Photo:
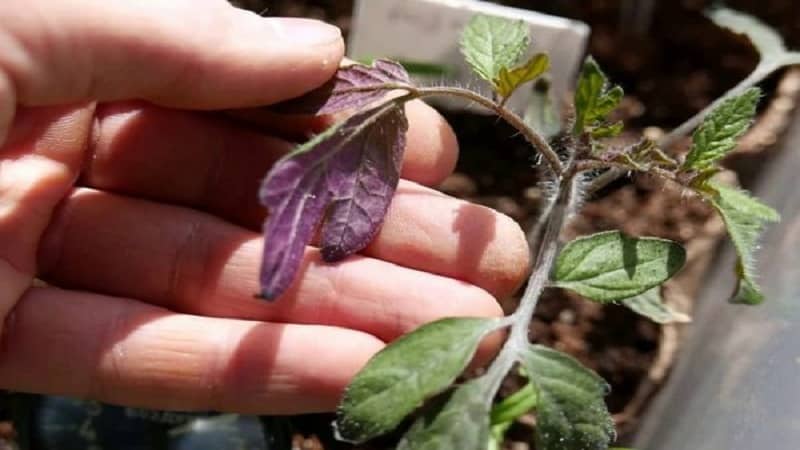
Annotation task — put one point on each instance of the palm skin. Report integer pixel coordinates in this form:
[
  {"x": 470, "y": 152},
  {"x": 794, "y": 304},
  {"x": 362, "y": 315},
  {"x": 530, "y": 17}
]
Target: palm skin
[{"x": 134, "y": 200}]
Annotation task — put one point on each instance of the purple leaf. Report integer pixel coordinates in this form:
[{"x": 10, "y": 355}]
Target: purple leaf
[
  {"x": 351, "y": 172},
  {"x": 352, "y": 87}
]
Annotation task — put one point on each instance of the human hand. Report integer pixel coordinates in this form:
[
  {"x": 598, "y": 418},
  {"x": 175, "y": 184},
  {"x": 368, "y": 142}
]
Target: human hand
[{"x": 137, "y": 205}]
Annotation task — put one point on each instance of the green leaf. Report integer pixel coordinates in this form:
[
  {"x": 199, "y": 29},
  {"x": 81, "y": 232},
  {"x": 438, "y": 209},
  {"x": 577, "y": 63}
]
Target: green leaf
[
  {"x": 745, "y": 218},
  {"x": 540, "y": 113},
  {"x": 508, "y": 80},
  {"x": 605, "y": 131},
  {"x": 651, "y": 305},
  {"x": 491, "y": 43},
  {"x": 398, "y": 379},
  {"x": 570, "y": 413},
  {"x": 419, "y": 68},
  {"x": 611, "y": 266},
  {"x": 460, "y": 421},
  {"x": 426, "y": 69},
  {"x": 594, "y": 97},
  {"x": 717, "y": 135}
]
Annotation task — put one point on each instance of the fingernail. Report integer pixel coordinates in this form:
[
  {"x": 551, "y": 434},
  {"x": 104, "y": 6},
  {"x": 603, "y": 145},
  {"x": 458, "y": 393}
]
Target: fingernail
[{"x": 303, "y": 31}]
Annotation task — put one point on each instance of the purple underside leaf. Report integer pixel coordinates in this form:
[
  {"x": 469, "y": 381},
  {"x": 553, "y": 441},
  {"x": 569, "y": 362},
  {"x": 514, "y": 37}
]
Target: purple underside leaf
[
  {"x": 349, "y": 172},
  {"x": 352, "y": 87}
]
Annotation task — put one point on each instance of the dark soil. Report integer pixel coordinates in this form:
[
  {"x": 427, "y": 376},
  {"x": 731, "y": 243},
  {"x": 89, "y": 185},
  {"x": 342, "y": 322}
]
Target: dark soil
[{"x": 670, "y": 67}]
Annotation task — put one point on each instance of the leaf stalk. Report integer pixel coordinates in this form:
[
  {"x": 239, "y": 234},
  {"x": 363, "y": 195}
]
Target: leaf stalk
[
  {"x": 538, "y": 141},
  {"x": 566, "y": 198},
  {"x": 535, "y": 139}
]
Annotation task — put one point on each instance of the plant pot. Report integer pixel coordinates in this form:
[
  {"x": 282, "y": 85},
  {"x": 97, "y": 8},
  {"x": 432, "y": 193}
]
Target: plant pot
[
  {"x": 736, "y": 383},
  {"x": 558, "y": 319},
  {"x": 755, "y": 149}
]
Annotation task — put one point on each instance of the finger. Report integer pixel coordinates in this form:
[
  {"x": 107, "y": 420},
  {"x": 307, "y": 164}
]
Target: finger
[
  {"x": 191, "y": 262},
  {"x": 430, "y": 231},
  {"x": 432, "y": 148},
  {"x": 215, "y": 165},
  {"x": 428, "y": 132},
  {"x": 139, "y": 355},
  {"x": 38, "y": 165},
  {"x": 183, "y": 53},
  {"x": 182, "y": 158}
]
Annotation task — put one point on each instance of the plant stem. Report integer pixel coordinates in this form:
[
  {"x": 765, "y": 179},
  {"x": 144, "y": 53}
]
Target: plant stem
[
  {"x": 761, "y": 71},
  {"x": 534, "y": 138},
  {"x": 604, "y": 179},
  {"x": 535, "y": 231},
  {"x": 545, "y": 258},
  {"x": 587, "y": 165}
]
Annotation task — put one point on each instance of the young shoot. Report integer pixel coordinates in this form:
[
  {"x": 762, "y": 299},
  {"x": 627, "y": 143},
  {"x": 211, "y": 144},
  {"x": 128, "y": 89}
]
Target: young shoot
[{"x": 342, "y": 181}]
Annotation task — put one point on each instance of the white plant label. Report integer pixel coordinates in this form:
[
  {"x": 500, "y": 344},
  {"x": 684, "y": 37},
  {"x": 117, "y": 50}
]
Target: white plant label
[{"x": 426, "y": 33}]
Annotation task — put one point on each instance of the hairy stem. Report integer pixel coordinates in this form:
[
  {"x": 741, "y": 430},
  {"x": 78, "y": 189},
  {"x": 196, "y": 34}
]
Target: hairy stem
[
  {"x": 504, "y": 100},
  {"x": 545, "y": 258},
  {"x": 534, "y": 138},
  {"x": 605, "y": 178},
  {"x": 534, "y": 233},
  {"x": 659, "y": 172},
  {"x": 762, "y": 71}
]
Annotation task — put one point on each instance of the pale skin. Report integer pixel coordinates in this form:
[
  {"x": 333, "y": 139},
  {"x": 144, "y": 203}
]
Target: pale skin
[{"x": 124, "y": 190}]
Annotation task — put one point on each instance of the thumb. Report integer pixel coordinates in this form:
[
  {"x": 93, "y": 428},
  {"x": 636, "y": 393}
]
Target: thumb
[{"x": 202, "y": 54}]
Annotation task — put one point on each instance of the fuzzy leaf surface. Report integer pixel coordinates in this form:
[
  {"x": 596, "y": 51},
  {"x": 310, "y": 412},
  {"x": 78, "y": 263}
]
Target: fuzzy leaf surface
[
  {"x": 570, "y": 412},
  {"x": 491, "y": 43},
  {"x": 460, "y": 421},
  {"x": 650, "y": 304},
  {"x": 611, "y": 266},
  {"x": 398, "y": 379},
  {"x": 595, "y": 97},
  {"x": 352, "y": 87},
  {"x": 745, "y": 218},
  {"x": 351, "y": 172},
  {"x": 508, "y": 80},
  {"x": 605, "y": 131},
  {"x": 717, "y": 135}
]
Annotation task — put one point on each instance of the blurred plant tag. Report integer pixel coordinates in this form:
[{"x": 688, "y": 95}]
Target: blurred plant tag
[{"x": 424, "y": 36}]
